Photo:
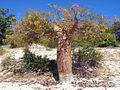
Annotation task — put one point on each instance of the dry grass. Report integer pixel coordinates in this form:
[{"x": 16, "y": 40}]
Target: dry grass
[{"x": 2, "y": 51}]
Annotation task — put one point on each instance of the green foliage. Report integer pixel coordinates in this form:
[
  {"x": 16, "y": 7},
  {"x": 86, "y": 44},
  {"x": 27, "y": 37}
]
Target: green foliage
[
  {"x": 75, "y": 43},
  {"x": 31, "y": 62},
  {"x": 35, "y": 63},
  {"x": 81, "y": 43},
  {"x": 11, "y": 66},
  {"x": 13, "y": 45},
  {"x": 18, "y": 69},
  {"x": 31, "y": 29},
  {"x": 55, "y": 83},
  {"x": 86, "y": 62},
  {"x": 99, "y": 42},
  {"x": 6, "y": 62},
  {"x": 107, "y": 43},
  {"x": 38, "y": 27},
  {"x": 103, "y": 39},
  {"x": 2, "y": 51},
  {"x": 5, "y": 22},
  {"x": 88, "y": 56},
  {"x": 115, "y": 28},
  {"x": 50, "y": 43}
]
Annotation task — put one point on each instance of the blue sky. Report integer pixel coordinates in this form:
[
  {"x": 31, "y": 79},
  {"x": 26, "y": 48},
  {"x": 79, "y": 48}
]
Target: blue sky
[{"x": 108, "y": 8}]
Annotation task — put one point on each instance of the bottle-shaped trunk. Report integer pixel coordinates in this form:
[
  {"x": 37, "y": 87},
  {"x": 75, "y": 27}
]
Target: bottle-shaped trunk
[{"x": 64, "y": 60}]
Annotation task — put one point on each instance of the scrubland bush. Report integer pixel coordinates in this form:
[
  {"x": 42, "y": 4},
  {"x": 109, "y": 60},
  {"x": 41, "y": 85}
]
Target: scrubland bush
[
  {"x": 12, "y": 45},
  {"x": 35, "y": 63},
  {"x": 86, "y": 62},
  {"x": 31, "y": 62},
  {"x": 110, "y": 42},
  {"x": 2, "y": 51},
  {"x": 6, "y": 63},
  {"x": 88, "y": 56},
  {"x": 103, "y": 40}
]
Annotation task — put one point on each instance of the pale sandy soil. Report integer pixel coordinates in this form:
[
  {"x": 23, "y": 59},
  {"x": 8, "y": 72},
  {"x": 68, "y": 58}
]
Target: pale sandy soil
[{"x": 109, "y": 78}]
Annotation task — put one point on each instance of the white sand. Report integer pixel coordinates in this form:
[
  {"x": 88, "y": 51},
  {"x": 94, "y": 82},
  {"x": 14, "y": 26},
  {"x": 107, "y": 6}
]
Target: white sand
[{"x": 111, "y": 66}]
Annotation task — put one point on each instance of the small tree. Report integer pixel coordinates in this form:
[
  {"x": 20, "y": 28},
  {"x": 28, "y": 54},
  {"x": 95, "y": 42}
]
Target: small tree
[
  {"x": 5, "y": 22},
  {"x": 67, "y": 21},
  {"x": 61, "y": 25},
  {"x": 115, "y": 28}
]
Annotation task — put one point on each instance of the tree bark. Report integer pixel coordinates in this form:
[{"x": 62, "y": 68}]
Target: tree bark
[{"x": 64, "y": 61}]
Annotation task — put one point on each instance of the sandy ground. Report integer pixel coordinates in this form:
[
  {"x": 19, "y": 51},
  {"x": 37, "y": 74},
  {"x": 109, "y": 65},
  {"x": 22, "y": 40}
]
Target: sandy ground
[{"x": 110, "y": 71}]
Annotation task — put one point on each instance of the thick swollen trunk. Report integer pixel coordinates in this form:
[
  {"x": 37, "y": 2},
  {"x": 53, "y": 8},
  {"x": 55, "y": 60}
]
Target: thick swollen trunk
[{"x": 64, "y": 60}]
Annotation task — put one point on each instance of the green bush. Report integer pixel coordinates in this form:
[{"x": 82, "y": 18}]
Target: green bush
[
  {"x": 6, "y": 62},
  {"x": 87, "y": 56},
  {"x": 75, "y": 43},
  {"x": 86, "y": 63},
  {"x": 81, "y": 43},
  {"x": 110, "y": 42},
  {"x": 35, "y": 63},
  {"x": 12, "y": 45},
  {"x": 18, "y": 69},
  {"x": 52, "y": 44},
  {"x": 31, "y": 62},
  {"x": 105, "y": 40}
]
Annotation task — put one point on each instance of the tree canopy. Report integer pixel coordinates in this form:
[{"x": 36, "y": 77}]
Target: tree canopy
[
  {"x": 5, "y": 22},
  {"x": 80, "y": 24},
  {"x": 115, "y": 28}
]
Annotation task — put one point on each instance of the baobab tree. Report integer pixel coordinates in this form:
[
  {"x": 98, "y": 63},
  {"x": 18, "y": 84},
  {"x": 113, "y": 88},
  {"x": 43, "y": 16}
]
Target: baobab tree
[
  {"x": 66, "y": 22},
  {"x": 60, "y": 26}
]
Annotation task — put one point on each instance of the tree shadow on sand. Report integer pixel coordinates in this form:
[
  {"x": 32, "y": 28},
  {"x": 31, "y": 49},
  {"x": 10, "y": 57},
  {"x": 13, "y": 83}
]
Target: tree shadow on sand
[
  {"x": 81, "y": 69},
  {"x": 53, "y": 69}
]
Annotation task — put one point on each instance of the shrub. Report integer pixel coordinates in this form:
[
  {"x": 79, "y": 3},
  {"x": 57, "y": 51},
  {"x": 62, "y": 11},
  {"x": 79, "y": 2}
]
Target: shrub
[
  {"x": 18, "y": 69},
  {"x": 109, "y": 42},
  {"x": 2, "y": 51},
  {"x": 12, "y": 45},
  {"x": 86, "y": 62},
  {"x": 88, "y": 55},
  {"x": 36, "y": 63},
  {"x": 104, "y": 40},
  {"x": 6, "y": 62},
  {"x": 75, "y": 43},
  {"x": 52, "y": 44}
]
